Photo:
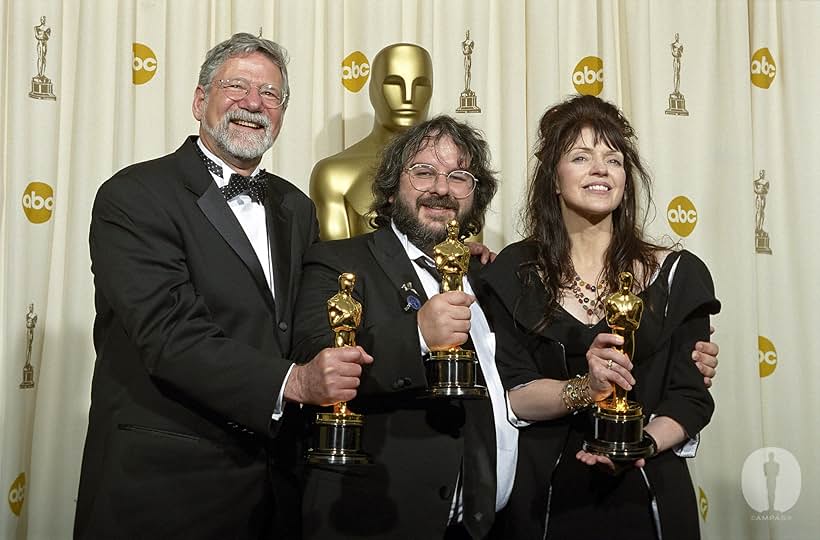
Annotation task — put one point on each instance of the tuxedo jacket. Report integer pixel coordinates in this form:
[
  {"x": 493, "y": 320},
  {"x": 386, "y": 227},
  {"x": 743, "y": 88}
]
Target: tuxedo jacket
[
  {"x": 416, "y": 443},
  {"x": 191, "y": 354}
]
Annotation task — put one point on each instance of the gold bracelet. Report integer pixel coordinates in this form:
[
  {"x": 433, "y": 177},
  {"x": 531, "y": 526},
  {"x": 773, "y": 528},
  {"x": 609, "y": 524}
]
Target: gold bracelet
[{"x": 575, "y": 394}]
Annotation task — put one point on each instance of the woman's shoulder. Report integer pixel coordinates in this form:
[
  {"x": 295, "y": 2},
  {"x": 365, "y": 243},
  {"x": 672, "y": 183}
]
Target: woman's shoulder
[{"x": 504, "y": 273}]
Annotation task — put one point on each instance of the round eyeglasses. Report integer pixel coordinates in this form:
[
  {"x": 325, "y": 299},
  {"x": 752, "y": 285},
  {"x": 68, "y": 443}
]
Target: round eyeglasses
[
  {"x": 237, "y": 89},
  {"x": 423, "y": 178}
]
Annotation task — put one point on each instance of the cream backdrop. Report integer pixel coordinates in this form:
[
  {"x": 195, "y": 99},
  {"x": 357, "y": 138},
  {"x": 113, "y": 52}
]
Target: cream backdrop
[{"x": 749, "y": 110}]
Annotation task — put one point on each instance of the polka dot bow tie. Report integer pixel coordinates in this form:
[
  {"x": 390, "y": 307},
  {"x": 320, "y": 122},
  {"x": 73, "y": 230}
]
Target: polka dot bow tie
[{"x": 253, "y": 186}]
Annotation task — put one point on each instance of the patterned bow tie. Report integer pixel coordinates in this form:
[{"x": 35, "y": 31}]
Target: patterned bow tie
[{"x": 253, "y": 186}]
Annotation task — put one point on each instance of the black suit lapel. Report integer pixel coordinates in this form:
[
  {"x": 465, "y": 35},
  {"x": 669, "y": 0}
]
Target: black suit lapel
[
  {"x": 213, "y": 205},
  {"x": 393, "y": 260},
  {"x": 280, "y": 232}
]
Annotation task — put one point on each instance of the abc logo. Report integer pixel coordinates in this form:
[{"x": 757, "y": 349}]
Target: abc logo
[
  {"x": 682, "y": 216},
  {"x": 763, "y": 68},
  {"x": 17, "y": 494},
  {"x": 767, "y": 356},
  {"x": 38, "y": 202},
  {"x": 144, "y": 65},
  {"x": 588, "y": 76},
  {"x": 355, "y": 71}
]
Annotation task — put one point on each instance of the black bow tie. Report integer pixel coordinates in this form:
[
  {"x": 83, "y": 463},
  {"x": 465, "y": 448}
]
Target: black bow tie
[{"x": 254, "y": 186}]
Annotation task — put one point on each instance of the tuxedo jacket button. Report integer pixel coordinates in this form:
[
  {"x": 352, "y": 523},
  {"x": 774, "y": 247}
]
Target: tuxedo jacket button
[
  {"x": 283, "y": 326},
  {"x": 398, "y": 384},
  {"x": 445, "y": 493}
]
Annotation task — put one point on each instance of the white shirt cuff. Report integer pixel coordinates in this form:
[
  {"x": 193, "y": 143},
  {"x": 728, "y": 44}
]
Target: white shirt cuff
[{"x": 279, "y": 408}]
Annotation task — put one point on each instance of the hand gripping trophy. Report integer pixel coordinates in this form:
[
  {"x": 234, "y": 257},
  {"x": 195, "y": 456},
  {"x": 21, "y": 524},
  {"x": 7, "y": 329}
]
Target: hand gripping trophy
[
  {"x": 41, "y": 86},
  {"x": 617, "y": 421},
  {"x": 452, "y": 373},
  {"x": 337, "y": 435}
]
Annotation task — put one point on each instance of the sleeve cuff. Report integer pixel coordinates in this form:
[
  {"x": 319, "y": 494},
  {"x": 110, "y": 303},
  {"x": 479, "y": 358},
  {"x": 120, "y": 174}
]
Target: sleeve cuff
[{"x": 279, "y": 408}]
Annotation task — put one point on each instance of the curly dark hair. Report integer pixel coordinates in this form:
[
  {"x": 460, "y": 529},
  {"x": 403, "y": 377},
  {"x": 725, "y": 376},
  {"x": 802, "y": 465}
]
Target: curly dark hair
[
  {"x": 404, "y": 147},
  {"x": 544, "y": 226}
]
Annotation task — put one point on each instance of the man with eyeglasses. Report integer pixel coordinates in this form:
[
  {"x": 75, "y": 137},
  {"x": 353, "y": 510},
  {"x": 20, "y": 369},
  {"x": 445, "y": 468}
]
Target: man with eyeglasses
[
  {"x": 434, "y": 460},
  {"x": 197, "y": 260}
]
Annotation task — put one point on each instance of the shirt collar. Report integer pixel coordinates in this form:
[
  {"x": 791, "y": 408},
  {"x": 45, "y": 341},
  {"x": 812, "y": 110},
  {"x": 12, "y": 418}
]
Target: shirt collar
[
  {"x": 226, "y": 169},
  {"x": 409, "y": 247}
]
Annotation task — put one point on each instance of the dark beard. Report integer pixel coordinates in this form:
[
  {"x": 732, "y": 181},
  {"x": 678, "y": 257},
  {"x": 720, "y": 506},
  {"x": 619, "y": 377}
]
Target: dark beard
[{"x": 422, "y": 236}]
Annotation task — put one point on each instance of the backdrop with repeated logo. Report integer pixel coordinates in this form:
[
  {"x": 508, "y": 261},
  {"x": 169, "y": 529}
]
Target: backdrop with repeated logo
[{"x": 723, "y": 96}]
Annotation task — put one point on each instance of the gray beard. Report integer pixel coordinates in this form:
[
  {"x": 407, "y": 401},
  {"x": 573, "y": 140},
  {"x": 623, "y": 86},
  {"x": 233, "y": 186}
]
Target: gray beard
[{"x": 246, "y": 146}]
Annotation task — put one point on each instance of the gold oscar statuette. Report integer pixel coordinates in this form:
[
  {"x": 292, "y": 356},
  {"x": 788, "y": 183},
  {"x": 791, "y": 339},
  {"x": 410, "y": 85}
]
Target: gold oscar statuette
[
  {"x": 677, "y": 101},
  {"x": 28, "y": 369},
  {"x": 41, "y": 86},
  {"x": 467, "y": 101},
  {"x": 618, "y": 421},
  {"x": 337, "y": 436},
  {"x": 452, "y": 372}
]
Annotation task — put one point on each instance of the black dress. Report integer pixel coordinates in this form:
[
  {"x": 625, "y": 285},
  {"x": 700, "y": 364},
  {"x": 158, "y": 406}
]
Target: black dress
[{"x": 552, "y": 488}]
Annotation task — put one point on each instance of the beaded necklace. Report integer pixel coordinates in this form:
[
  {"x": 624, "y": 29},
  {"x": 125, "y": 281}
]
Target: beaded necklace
[{"x": 592, "y": 303}]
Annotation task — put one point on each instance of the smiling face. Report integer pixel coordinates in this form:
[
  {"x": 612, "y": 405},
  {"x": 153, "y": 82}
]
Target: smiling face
[
  {"x": 423, "y": 215},
  {"x": 591, "y": 178},
  {"x": 239, "y": 132}
]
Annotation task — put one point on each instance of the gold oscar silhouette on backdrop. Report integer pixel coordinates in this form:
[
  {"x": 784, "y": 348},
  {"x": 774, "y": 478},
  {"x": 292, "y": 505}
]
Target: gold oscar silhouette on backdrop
[
  {"x": 761, "y": 187},
  {"x": 401, "y": 85},
  {"x": 41, "y": 86},
  {"x": 28, "y": 369},
  {"x": 677, "y": 101},
  {"x": 468, "y": 102},
  {"x": 617, "y": 421},
  {"x": 338, "y": 434},
  {"x": 452, "y": 373}
]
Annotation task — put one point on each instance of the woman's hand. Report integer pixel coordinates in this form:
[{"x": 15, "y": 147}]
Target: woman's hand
[
  {"x": 608, "y": 367},
  {"x": 606, "y": 464}
]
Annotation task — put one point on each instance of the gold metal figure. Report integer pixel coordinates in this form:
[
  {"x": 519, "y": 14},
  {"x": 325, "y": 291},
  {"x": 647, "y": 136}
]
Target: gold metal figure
[
  {"x": 401, "y": 85},
  {"x": 677, "y": 52},
  {"x": 41, "y": 86},
  {"x": 344, "y": 314},
  {"x": 28, "y": 369},
  {"x": 452, "y": 259},
  {"x": 623, "y": 315}
]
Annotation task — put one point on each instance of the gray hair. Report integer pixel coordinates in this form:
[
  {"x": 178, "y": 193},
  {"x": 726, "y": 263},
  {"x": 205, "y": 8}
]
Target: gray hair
[{"x": 241, "y": 44}]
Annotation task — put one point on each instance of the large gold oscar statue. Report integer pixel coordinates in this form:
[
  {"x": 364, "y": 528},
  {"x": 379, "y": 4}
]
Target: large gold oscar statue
[
  {"x": 401, "y": 85},
  {"x": 337, "y": 434}
]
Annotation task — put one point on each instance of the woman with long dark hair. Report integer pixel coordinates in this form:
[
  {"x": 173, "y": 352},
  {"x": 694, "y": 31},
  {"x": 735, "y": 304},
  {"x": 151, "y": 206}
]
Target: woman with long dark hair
[{"x": 546, "y": 297}]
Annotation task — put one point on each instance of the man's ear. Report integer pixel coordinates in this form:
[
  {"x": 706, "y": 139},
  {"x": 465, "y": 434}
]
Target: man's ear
[{"x": 198, "y": 106}]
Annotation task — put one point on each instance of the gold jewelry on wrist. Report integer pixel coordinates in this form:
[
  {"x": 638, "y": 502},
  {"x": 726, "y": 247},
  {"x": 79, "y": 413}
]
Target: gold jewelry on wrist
[{"x": 575, "y": 393}]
